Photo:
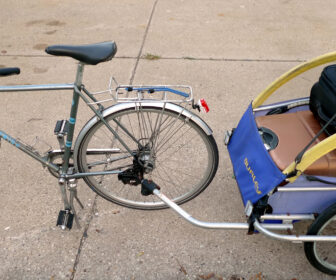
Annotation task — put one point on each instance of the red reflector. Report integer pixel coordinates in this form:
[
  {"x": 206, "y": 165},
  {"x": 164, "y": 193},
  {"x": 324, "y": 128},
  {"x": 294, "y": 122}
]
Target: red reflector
[{"x": 203, "y": 105}]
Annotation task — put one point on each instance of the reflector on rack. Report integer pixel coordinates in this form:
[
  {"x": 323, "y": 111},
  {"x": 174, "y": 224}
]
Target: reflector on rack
[{"x": 203, "y": 105}]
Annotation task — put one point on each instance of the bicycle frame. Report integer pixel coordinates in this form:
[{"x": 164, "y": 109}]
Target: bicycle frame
[{"x": 78, "y": 92}]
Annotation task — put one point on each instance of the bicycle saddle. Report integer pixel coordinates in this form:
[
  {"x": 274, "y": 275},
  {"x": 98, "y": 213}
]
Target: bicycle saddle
[{"x": 90, "y": 54}]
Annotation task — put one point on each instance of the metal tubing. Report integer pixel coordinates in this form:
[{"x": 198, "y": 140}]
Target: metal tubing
[
  {"x": 73, "y": 116},
  {"x": 101, "y": 117},
  {"x": 61, "y": 184},
  {"x": 96, "y": 151},
  {"x": 202, "y": 224},
  {"x": 28, "y": 150},
  {"x": 37, "y": 157},
  {"x": 294, "y": 238},
  {"x": 81, "y": 175},
  {"x": 306, "y": 189},
  {"x": 103, "y": 151},
  {"x": 128, "y": 133},
  {"x": 301, "y": 101},
  {"x": 37, "y": 87},
  {"x": 89, "y": 94},
  {"x": 288, "y": 217}
]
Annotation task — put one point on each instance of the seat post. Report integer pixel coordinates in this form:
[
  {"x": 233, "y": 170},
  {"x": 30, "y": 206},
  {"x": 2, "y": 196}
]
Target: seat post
[{"x": 79, "y": 75}]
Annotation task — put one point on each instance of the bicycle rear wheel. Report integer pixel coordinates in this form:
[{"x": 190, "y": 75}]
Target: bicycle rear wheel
[
  {"x": 176, "y": 153},
  {"x": 322, "y": 255}
]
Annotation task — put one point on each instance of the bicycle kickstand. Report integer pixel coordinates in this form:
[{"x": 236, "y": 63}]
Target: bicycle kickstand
[{"x": 65, "y": 217}]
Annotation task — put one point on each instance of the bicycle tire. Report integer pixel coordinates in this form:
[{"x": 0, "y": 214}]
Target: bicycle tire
[
  {"x": 325, "y": 224},
  {"x": 177, "y": 167}
]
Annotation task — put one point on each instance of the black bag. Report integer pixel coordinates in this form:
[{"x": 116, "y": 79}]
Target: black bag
[{"x": 323, "y": 98}]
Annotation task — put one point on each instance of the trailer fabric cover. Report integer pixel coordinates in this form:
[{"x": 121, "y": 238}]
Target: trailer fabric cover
[{"x": 254, "y": 170}]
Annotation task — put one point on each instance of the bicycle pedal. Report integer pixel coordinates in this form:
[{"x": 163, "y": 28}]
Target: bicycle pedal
[
  {"x": 65, "y": 219},
  {"x": 61, "y": 127}
]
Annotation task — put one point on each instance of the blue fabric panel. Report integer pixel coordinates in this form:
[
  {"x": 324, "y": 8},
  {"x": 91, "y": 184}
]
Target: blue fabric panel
[{"x": 255, "y": 171}]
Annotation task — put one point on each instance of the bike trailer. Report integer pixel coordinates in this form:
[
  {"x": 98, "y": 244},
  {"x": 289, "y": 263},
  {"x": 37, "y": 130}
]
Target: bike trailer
[
  {"x": 284, "y": 161},
  {"x": 267, "y": 140}
]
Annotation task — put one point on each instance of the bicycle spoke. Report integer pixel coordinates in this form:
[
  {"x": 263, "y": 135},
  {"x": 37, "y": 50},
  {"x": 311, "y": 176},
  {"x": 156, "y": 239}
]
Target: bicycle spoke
[
  {"x": 166, "y": 189},
  {"x": 99, "y": 137},
  {"x": 146, "y": 133},
  {"x": 141, "y": 134},
  {"x": 129, "y": 121},
  {"x": 189, "y": 140},
  {"x": 157, "y": 128},
  {"x": 178, "y": 172},
  {"x": 150, "y": 123},
  {"x": 170, "y": 127},
  {"x": 169, "y": 138}
]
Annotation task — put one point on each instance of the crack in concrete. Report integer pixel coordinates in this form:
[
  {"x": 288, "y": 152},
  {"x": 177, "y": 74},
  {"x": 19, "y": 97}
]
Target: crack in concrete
[
  {"x": 84, "y": 237},
  {"x": 177, "y": 58},
  {"x": 143, "y": 42},
  {"x": 231, "y": 59},
  {"x": 91, "y": 215}
]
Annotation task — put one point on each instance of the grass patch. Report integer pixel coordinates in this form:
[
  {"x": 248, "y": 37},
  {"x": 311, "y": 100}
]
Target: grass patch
[{"x": 150, "y": 56}]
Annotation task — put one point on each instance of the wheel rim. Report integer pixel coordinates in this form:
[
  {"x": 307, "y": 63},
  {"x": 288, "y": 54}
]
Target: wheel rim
[
  {"x": 179, "y": 146},
  {"x": 325, "y": 252}
]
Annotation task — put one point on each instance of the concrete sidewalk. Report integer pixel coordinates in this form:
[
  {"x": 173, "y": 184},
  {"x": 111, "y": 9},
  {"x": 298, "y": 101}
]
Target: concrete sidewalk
[{"x": 228, "y": 51}]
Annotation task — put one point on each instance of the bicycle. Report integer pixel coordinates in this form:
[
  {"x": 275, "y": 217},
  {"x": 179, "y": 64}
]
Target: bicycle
[{"x": 146, "y": 136}]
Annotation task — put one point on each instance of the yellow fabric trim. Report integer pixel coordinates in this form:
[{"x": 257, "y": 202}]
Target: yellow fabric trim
[
  {"x": 262, "y": 97},
  {"x": 313, "y": 154}
]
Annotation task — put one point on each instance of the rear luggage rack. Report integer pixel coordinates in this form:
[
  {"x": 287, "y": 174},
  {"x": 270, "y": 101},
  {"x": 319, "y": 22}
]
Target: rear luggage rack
[
  {"x": 145, "y": 93},
  {"x": 154, "y": 93}
]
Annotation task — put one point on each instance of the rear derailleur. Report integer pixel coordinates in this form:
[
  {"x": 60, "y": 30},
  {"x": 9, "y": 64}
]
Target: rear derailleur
[
  {"x": 135, "y": 175},
  {"x": 132, "y": 176}
]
